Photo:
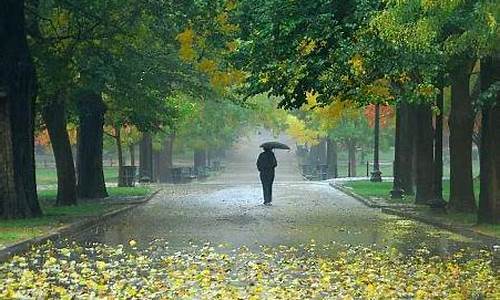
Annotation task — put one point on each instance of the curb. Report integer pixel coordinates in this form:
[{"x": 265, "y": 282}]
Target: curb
[
  {"x": 361, "y": 199},
  {"x": 487, "y": 239},
  {"x": 69, "y": 229}
]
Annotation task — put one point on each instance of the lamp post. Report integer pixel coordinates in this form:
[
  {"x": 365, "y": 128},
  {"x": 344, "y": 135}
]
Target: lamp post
[{"x": 376, "y": 174}]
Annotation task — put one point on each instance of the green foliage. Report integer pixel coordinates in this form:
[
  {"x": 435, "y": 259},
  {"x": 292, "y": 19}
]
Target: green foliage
[
  {"x": 212, "y": 124},
  {"x": 289, "y": 48},
  {"x": 265, "y": 113}
]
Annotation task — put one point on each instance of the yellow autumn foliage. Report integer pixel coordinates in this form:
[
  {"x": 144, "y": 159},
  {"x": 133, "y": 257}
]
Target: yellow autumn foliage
[
  {"x": 329, "y": 115},
  {"x": 186, "y": 41},
  {"x": 379, "y": 88},
  {"x": 208, "y": 66},
  {"x": 298, "y": 130},
  {"x": 306, "y": 46},
  {"x": 357, "y": 65},
  {"x": 224, "y": 79},
  {"x": 225, "y": 26}
]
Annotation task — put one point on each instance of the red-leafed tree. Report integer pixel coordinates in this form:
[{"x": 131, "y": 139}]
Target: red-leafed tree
[{"x": 387, "y": 115}]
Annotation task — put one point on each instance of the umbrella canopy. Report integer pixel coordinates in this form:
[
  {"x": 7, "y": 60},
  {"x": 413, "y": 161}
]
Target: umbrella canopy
[{"x": 274, "y": 145}]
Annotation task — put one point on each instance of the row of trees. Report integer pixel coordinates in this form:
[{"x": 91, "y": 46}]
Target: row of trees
[
  {"x": 103, "y": 67},
  {"x": 403, "y": 53},
  {"x": 93, "y": 55}
]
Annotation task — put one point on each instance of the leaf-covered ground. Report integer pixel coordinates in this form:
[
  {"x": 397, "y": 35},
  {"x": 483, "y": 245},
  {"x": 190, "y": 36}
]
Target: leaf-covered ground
[{"x": 72, "y": 271}]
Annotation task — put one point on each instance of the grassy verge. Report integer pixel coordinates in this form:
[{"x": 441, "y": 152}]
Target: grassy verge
[
  {"x": 16, "y": 230},
  {"x": 48, "y": 176},
  {"x": 381, "y": 190}
]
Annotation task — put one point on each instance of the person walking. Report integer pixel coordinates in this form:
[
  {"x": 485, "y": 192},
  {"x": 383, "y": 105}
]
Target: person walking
[{"x": 266, "y": 163}]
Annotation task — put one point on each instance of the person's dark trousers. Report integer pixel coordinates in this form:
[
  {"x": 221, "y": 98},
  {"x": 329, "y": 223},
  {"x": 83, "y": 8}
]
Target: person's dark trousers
[{"x": 267, "y": 179}]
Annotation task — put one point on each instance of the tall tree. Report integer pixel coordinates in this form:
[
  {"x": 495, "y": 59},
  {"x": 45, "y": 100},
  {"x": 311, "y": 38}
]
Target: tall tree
[
  {"x": 424, "y": 154},
  {"x": 91, "y": 111},
  {"x": 461, "y": 123},
  {"x": 18, "y": 196},
  {"x": 489, "y": 198},
  {"x": 54, "y": 115}
]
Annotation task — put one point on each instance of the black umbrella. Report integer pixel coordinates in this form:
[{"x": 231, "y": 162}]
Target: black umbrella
[{"x": 274, "y": 145}]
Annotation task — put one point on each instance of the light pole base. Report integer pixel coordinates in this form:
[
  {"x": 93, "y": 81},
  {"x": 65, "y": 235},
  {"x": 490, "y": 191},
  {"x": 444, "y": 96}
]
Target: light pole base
[{"x": 376, "y": 176}]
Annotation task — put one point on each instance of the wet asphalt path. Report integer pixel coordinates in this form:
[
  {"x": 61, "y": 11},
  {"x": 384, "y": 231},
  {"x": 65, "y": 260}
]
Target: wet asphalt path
[{"x": 227, "y": 210}]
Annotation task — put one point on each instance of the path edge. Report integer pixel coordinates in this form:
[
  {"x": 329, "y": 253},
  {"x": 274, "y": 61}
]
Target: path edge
[
  {"x": 469, "y": 233},
  {"x": 70, "y": 229}
]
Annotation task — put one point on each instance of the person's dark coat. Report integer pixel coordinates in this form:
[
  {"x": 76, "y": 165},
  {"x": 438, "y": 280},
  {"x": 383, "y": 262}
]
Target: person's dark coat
[{"x": 266, "y": 163}]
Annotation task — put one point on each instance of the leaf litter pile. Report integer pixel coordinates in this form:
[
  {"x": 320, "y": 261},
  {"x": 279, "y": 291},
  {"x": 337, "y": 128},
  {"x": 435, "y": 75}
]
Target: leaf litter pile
[{"x": 73, "y": 271}]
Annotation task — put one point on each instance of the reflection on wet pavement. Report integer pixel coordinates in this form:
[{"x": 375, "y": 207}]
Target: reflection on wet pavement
[
  {"x": 301, "y": 212},
  {"x": 227, "y": 209}
]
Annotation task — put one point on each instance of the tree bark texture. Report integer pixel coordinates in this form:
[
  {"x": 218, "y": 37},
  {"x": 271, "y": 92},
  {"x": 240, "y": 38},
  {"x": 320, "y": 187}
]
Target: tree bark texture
[
  {"x": 91, "y": 111},
  {"x": 489, "y": 198},
  {"x": 397, "y": 189},
  {"x": 461, "y": 124},
  {"x": 18, "y": 197},
  {"x": 425, "y": 155},
  {"x": 406, "y": 152},
  {"x": 54, "y": 116}
]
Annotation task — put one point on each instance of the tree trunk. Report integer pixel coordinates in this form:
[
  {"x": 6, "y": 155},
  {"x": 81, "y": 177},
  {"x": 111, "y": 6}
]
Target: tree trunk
[
  {"x": 438, "y": 149},
  {"x": 397, "y": 189},
  {"x": 156, "y": 165},
  {"x": 8, "y": 197},
  {"x": 91, "y": 111},
  {"x": 54, "y": 116},
  {"x": 313, "y": 156},
  {"x": 146, "y": 158},
  {"x": 322, "y": 152},
  {"x": 351, "y": 149},
  {"x": 425, "y": 159},
  {"x": 461, "y": 127},
  {"x": 200, "y": 158},
  {"x": 489, "y": 198},
  {"x": 119, "y": 150},
  {"x": 331, "y": 158},
  {"x": 131, "y": 150},
  {"x": 166, "y": 160},
  {"x": 406, "y": 148},
  {"x": 18, "y": 196}
]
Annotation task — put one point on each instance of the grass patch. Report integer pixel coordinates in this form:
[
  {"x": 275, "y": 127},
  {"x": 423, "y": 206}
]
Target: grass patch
[
  {"x": 370, "y": 189},
  {"x": 48, "y": 176},
  {"x": 367, "y": 188},
  {"x": 129, "y": 191},
  {"x": 55, "y": 216}
]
